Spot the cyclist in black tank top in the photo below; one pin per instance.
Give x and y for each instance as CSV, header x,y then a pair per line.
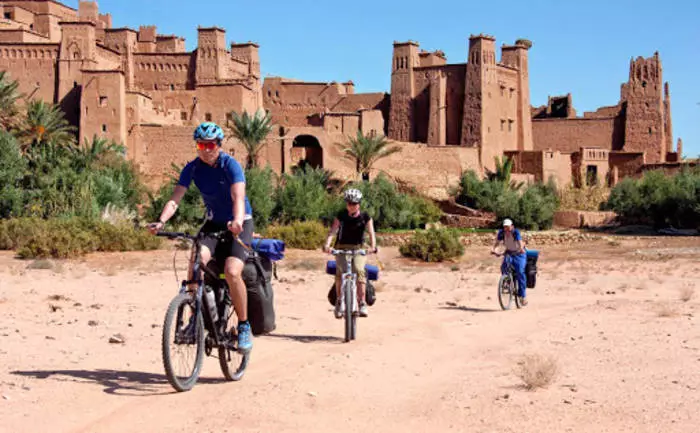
x,y
351,224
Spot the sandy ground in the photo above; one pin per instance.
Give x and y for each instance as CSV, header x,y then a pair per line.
x,y
436,354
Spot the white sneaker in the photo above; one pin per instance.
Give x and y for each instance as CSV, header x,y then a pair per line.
x,y
339,309
364,311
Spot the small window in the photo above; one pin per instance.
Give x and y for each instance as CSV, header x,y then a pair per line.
x,y
510,125
155,87
503,122
172,87
75,84
591,175
103,101
207,117
104,128
269,93
277,93
183,115
650,131
8,15
644,83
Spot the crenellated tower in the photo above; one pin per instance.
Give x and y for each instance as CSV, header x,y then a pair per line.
x,y
405,58
647,111
211,50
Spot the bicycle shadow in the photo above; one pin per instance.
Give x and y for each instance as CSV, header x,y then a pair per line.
x,y
115,382
307,338
469,309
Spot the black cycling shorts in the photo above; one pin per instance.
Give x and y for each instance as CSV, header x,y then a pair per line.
x,y
227,247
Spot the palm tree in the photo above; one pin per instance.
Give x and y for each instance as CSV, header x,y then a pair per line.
x,y
251,131
8,101
91,151
45,124
365,150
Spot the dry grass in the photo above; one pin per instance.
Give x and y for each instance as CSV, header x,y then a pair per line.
x,y
40,264
537,371
687,293
666,310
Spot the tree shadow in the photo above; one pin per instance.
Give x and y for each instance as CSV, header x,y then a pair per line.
x,y
115,382
470,309
307,338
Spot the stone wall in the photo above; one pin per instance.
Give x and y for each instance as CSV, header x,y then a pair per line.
x,y
583,219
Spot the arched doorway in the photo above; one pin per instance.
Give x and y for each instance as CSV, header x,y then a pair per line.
x,y
306,150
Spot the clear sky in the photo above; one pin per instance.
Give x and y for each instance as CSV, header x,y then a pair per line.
x,y
582,47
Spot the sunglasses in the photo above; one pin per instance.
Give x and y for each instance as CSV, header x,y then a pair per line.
x,y
209,145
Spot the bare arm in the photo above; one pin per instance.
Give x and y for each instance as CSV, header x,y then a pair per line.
x,y
372,235
172,204
331,232
238,198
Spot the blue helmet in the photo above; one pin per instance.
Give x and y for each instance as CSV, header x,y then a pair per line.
x,y
209,131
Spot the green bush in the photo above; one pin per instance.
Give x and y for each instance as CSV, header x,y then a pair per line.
x,y
434,245
658,199
260,189
305,235
70,237
392,209
531,208
12,169
303,196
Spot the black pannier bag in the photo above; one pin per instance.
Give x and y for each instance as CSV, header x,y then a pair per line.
x,y
531,268
257,276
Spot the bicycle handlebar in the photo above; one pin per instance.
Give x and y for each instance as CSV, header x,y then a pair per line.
x,y
199,236
348,252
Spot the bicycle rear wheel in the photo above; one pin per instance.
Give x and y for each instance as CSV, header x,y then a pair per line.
x,y
232,363
183,330
505,292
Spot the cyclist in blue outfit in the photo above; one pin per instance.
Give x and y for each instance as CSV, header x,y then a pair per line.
x,y
515,254
221,181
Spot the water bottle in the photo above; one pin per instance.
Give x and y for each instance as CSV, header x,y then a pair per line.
x,y
210,302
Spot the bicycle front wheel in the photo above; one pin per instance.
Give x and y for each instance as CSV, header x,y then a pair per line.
x,y
350,324
505,292
183,343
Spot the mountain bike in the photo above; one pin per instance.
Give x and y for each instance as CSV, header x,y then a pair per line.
x,y
507,285
198,319
348,292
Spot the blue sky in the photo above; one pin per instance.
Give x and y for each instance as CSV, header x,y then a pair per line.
x,y
582,47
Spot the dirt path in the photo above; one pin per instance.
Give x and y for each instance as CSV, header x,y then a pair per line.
x,y
436,353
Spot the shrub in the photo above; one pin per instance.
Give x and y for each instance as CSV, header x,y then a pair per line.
x,y
530,208
303,196
260,190
391,209
305,235
537,371
434,245
12,168
659,199
71,237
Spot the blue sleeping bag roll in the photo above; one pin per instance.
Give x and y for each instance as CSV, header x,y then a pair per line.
x,y
371,270
273,249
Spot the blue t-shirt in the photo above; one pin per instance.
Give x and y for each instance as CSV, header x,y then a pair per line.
x,y
214,183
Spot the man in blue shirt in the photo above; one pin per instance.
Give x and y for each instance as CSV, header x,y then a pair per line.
x,y
221,181
515,253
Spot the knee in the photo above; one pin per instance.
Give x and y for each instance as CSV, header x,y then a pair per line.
x,y
233,268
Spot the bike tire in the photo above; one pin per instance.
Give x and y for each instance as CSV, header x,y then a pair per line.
x,y
505,299
182,300
232,369
347,295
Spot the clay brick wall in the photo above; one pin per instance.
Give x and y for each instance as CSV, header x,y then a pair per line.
x,y
103,106
163,71
603,112
46,7
626,164
247,53
372,122
569,135
20,15
290,103
34,67
21,35
170,44
557,165
108,59
118,39
48,25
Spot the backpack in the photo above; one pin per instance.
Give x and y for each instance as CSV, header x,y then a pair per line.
x,y
257,276
531,268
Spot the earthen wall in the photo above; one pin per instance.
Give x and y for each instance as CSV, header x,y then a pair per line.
x,y
569,135
33,66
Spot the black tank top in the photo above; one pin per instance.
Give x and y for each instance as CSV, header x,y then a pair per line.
x,y
352,229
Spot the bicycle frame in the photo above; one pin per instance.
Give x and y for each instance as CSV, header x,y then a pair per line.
x,y
198,266
348,276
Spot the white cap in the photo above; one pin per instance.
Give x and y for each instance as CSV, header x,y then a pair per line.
x,y
507,222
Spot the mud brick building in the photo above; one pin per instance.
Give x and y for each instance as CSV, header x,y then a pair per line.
x,y
145,90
